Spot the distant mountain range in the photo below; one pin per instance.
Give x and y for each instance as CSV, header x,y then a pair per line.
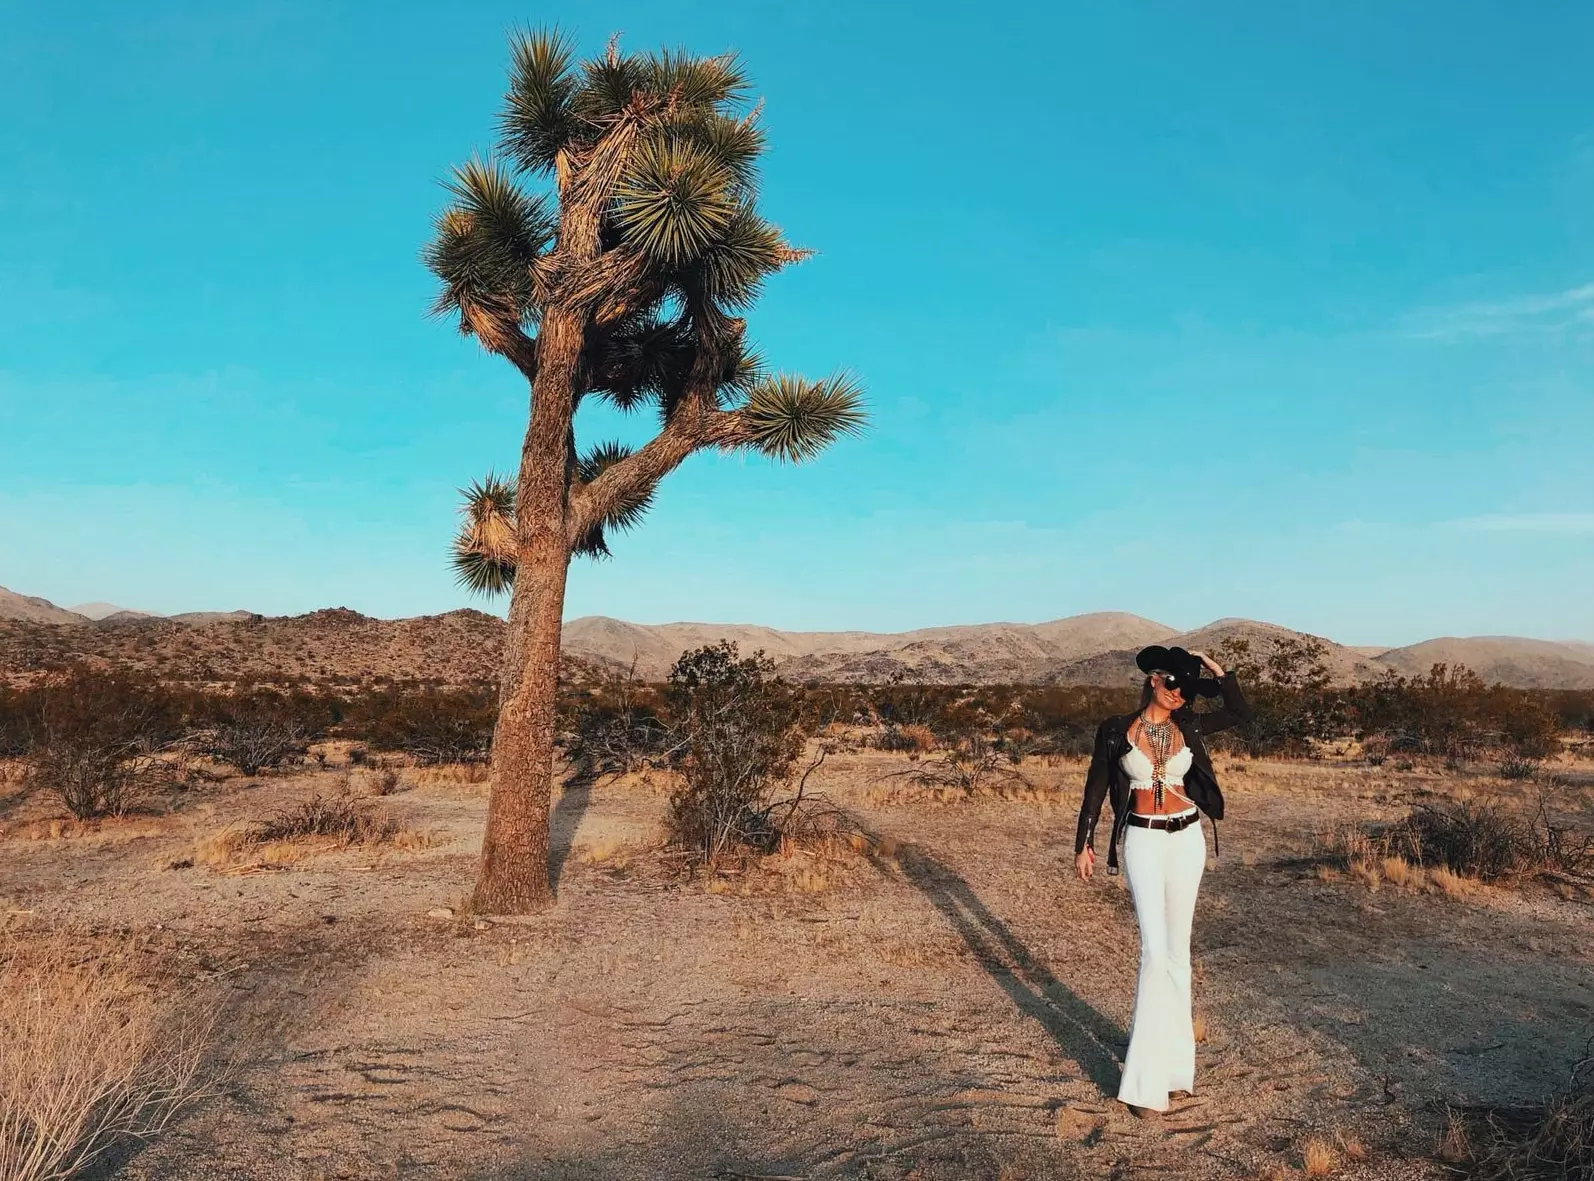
x,y
33,610
1097,649
338,645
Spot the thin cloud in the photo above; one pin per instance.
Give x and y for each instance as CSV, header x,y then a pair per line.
x,y
1553,312
1554,524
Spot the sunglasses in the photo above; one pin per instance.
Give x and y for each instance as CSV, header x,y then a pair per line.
x,y
1172,682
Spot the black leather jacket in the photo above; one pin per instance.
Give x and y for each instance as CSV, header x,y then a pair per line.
x,y
1106,777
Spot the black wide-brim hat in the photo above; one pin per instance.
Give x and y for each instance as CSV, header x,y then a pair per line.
x,y
1184,668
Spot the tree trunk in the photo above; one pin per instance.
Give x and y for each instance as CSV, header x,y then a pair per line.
x,y
513,875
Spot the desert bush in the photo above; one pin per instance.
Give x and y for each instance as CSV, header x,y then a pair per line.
x,y
15,737
904,739
1291,701
1516,766
1449,713
88,1062
975,764
740,738
93,779
429,724
1557,847
902,702
90,737
339,817
1573,709
1552,1142
1478,840
617,726
255,743
98,706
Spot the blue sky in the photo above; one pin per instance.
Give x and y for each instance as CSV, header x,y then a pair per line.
x,y
1275,310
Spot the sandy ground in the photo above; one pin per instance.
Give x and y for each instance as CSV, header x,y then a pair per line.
x,y
956,1009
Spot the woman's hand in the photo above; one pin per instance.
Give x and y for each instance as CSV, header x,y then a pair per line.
x,y
1212,665
1085,863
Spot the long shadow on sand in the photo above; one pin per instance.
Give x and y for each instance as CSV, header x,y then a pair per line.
x,y
1080,1031
574,800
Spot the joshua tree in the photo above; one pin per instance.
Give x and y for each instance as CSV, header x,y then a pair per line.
x,y
623,280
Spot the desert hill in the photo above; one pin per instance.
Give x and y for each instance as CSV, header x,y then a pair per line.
x,y
1510,660
335,646
342,646
34,610
978,652
1117,666
99,611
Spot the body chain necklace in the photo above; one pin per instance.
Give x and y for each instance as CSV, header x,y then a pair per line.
x,y
1158,736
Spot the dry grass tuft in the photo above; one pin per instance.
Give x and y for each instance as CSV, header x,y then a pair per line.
x,y
1448,882
452,775
1403,874
1318,1158
386,782
337,822
611,851
1199,1025
88,1062
220,847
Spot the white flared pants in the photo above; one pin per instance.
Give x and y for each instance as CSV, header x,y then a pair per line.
x,y
1164,872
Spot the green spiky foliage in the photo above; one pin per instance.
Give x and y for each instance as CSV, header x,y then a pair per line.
x,y
484,550
662,150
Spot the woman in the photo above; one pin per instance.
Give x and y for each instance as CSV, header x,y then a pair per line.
x,y
1154,766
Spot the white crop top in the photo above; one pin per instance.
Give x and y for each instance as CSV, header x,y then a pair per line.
x,y
1137,765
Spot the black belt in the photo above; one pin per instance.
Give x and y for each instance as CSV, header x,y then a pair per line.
x,y
1166,823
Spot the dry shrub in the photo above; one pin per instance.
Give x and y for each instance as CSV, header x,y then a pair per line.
x,y
219,847
1453,844
1318,1158
1403,874
449,775
429,724
255,744
88,1062
1554,1142
912,739
740,733
340,817
94,778
1516,766
1454,1146
1473,838
338,820
973,765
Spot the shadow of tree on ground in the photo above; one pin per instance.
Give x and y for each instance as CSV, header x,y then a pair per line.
x,y
1081,1033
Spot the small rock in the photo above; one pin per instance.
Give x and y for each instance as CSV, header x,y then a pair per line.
x,y
797,1092
1073,1124
440,912
481,924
